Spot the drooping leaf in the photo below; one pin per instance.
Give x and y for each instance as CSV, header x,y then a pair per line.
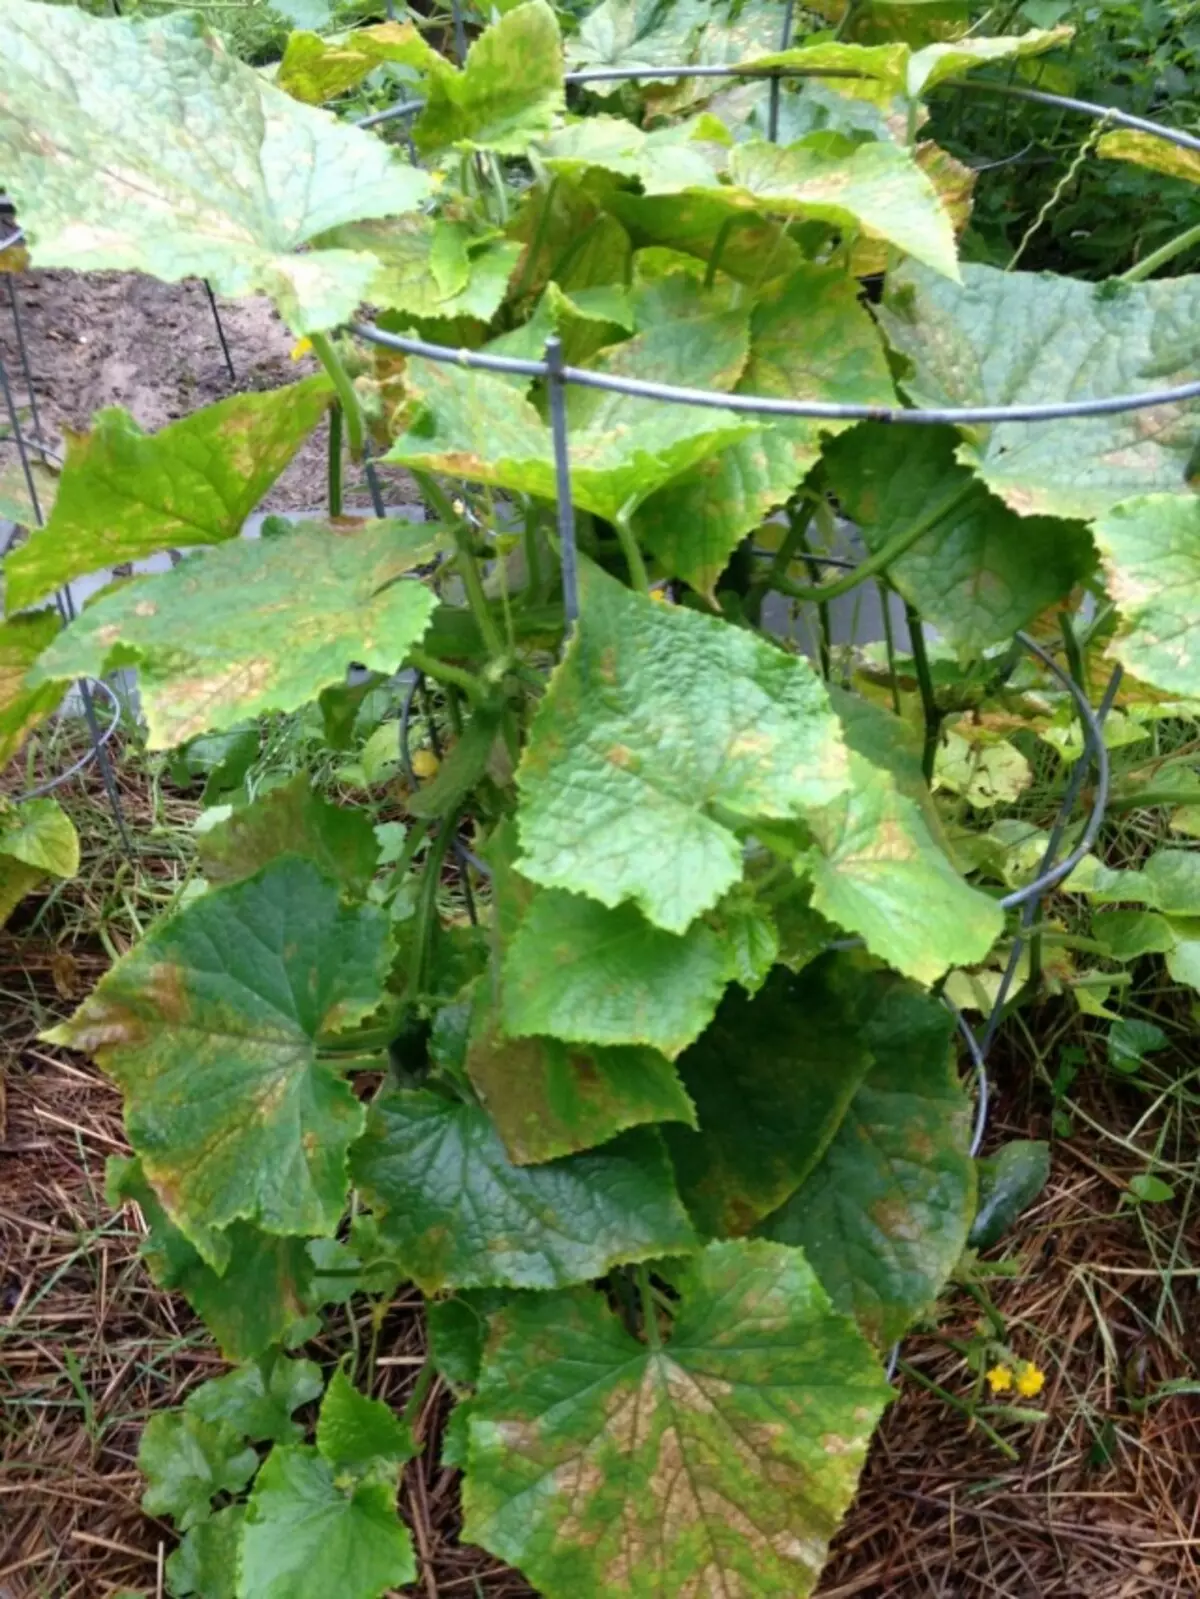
x,y
507,92
211,1025
980,765
247,178
354,1430
292,820
308,1536
205,1564
883,1212
22,640
1017,338
718,1464
257,1400
876,871
316,69
125,494
477,427
981,571
187,1461
1009,1182
1146,150
39,833
771,1079
663,161
16,880
811,340
458,1213
254,626
1150,549
656,716
264,1293
937,62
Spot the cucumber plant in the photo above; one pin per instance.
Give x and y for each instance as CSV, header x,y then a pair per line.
x,y
668,1123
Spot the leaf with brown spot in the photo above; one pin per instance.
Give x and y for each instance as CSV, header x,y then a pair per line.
x,y
257,625
602,1467
316,69
125,494
22,640
210,1026
1150,549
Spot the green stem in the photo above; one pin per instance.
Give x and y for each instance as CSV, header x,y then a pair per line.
x,y
714,260
426,913
649,1309
1165,252
955,1403
895,547
412,1409
335,460
638,575
332,362
476,598
885,610
443,672
933,719
536,243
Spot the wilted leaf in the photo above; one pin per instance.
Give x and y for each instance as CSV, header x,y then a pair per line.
x,y
257,625
246,178
210,1026
125,494
458,1214
720,1463
1147,150
39,833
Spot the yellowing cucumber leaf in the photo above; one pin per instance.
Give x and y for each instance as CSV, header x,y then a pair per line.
x,y
937,62
246,178
876,871
473,269
22,640
811,340
720,1463
316,69
292,820
507,93
125,494
657,715
1150,549
884,1209
1145,150
663,161
476,426
256,625
980,571
771,1079
210,1026
309,1534
1028,338
456,1213
38,833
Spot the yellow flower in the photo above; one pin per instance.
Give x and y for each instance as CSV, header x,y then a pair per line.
x,y
425,763
1031,1380
1000,1379
660,596
301,348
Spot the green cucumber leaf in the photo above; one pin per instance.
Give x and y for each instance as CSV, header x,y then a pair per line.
x,y
316,69
457,1330
1150,550
877,871
457,1213
292,820
406,250
125,494
309,1533
354,1430
210,1026
720,1463
257,1400
187,1461
982,571
656,715
39,833
578,971
621,448
937,62
246,179
257,625
205,1564
264,1293
22,640
1021,338
507,93
663,161
884,1210
771,1079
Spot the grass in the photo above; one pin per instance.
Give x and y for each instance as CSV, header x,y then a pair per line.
x,y
1102,1293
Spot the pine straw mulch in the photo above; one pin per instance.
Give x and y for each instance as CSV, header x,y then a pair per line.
x,y
1104,1504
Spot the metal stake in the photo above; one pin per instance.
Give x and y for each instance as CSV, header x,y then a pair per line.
x,y
212,300
562,479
